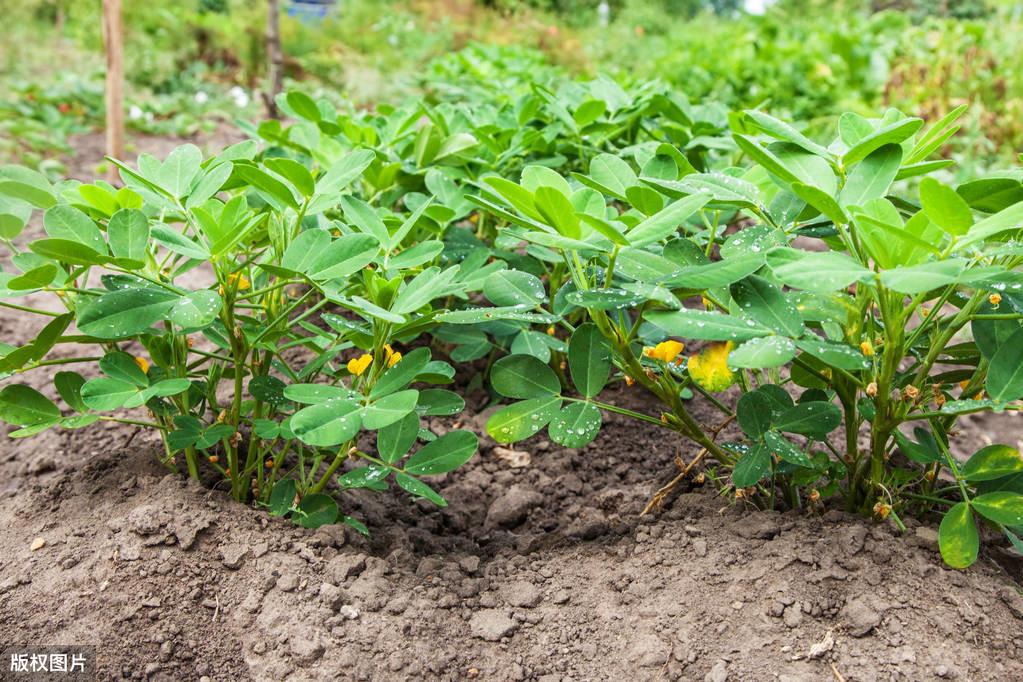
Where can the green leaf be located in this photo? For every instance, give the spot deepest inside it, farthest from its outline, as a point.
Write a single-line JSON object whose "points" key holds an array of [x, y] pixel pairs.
{"points": [[69, 387], [315, 510], [357, 525], [477, 315], [36, 278], [532, 343], [765, 303], [196, 310], [445, 454], [389, 409], [924, 452], [178, 243], [835, 354], [766, 158], [783, 131], [665, 222], [718, 273], [512, 287], [128, 231], [14, 215], [340, 257], [371, 477], [394, 441], [67, 251], [24, 406], [724, 189], [576, 425], [282, 497], [294, 172], [119, 365], [104, 393], [958, 539], [365, 218], [557, 211], [1004, 507], [455, 144], [892, 133], [613, 174], [27, 185], [917, 279], [304, 394], [439, 402], [759, 353], [518, 197], [752, 466], [814, 418], [521, 420], [991, 462], [402, 373], [125, 312], [991, 195], [822, 201], [426, 286], [589, 359], [419, 489], [706, 326], [67, 222], [604, 299], [1005, 373], [822, 272], [179, 170], [1010, 218], [871, 179], [210, 183], [345, 171], [271, 188], [268, 389], [786, 450], [754, 413], [303, 105], [327, 424], [944, 207], [523, 376]]}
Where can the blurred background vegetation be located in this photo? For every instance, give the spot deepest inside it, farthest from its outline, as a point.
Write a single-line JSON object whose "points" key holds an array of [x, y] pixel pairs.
{"points": [[194, 65]]}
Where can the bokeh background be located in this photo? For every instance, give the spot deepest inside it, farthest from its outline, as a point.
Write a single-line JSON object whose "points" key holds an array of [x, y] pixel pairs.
{"points": [[194, 65]]}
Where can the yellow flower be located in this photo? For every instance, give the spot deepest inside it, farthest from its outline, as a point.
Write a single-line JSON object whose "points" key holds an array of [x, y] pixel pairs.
{"points": [[358, 365], [393, 357], [240, 281], [710, 369], [866, 348], [994, 299], [629, 381], [143, 364], [665, 351]]}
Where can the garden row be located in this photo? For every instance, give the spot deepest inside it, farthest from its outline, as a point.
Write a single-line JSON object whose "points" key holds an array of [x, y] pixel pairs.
{"points": [[573, 234]]}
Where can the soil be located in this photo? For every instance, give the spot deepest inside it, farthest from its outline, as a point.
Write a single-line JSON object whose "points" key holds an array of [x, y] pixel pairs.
{"points": [[541, 568]]}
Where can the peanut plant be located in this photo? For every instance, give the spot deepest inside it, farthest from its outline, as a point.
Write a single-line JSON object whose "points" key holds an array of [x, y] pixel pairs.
{"points": [[845, 299], [246, 375]]}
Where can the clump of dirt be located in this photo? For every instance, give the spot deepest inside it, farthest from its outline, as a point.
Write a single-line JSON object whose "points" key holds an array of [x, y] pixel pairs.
{"points": [[540, 569]]}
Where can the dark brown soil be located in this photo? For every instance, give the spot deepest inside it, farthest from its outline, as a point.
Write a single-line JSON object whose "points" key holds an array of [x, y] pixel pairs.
{"points": [[540, 569]]}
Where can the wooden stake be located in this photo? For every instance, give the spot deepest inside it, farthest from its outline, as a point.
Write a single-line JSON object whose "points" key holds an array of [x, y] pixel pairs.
{"points": [[113, 35], [275, 75]]}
